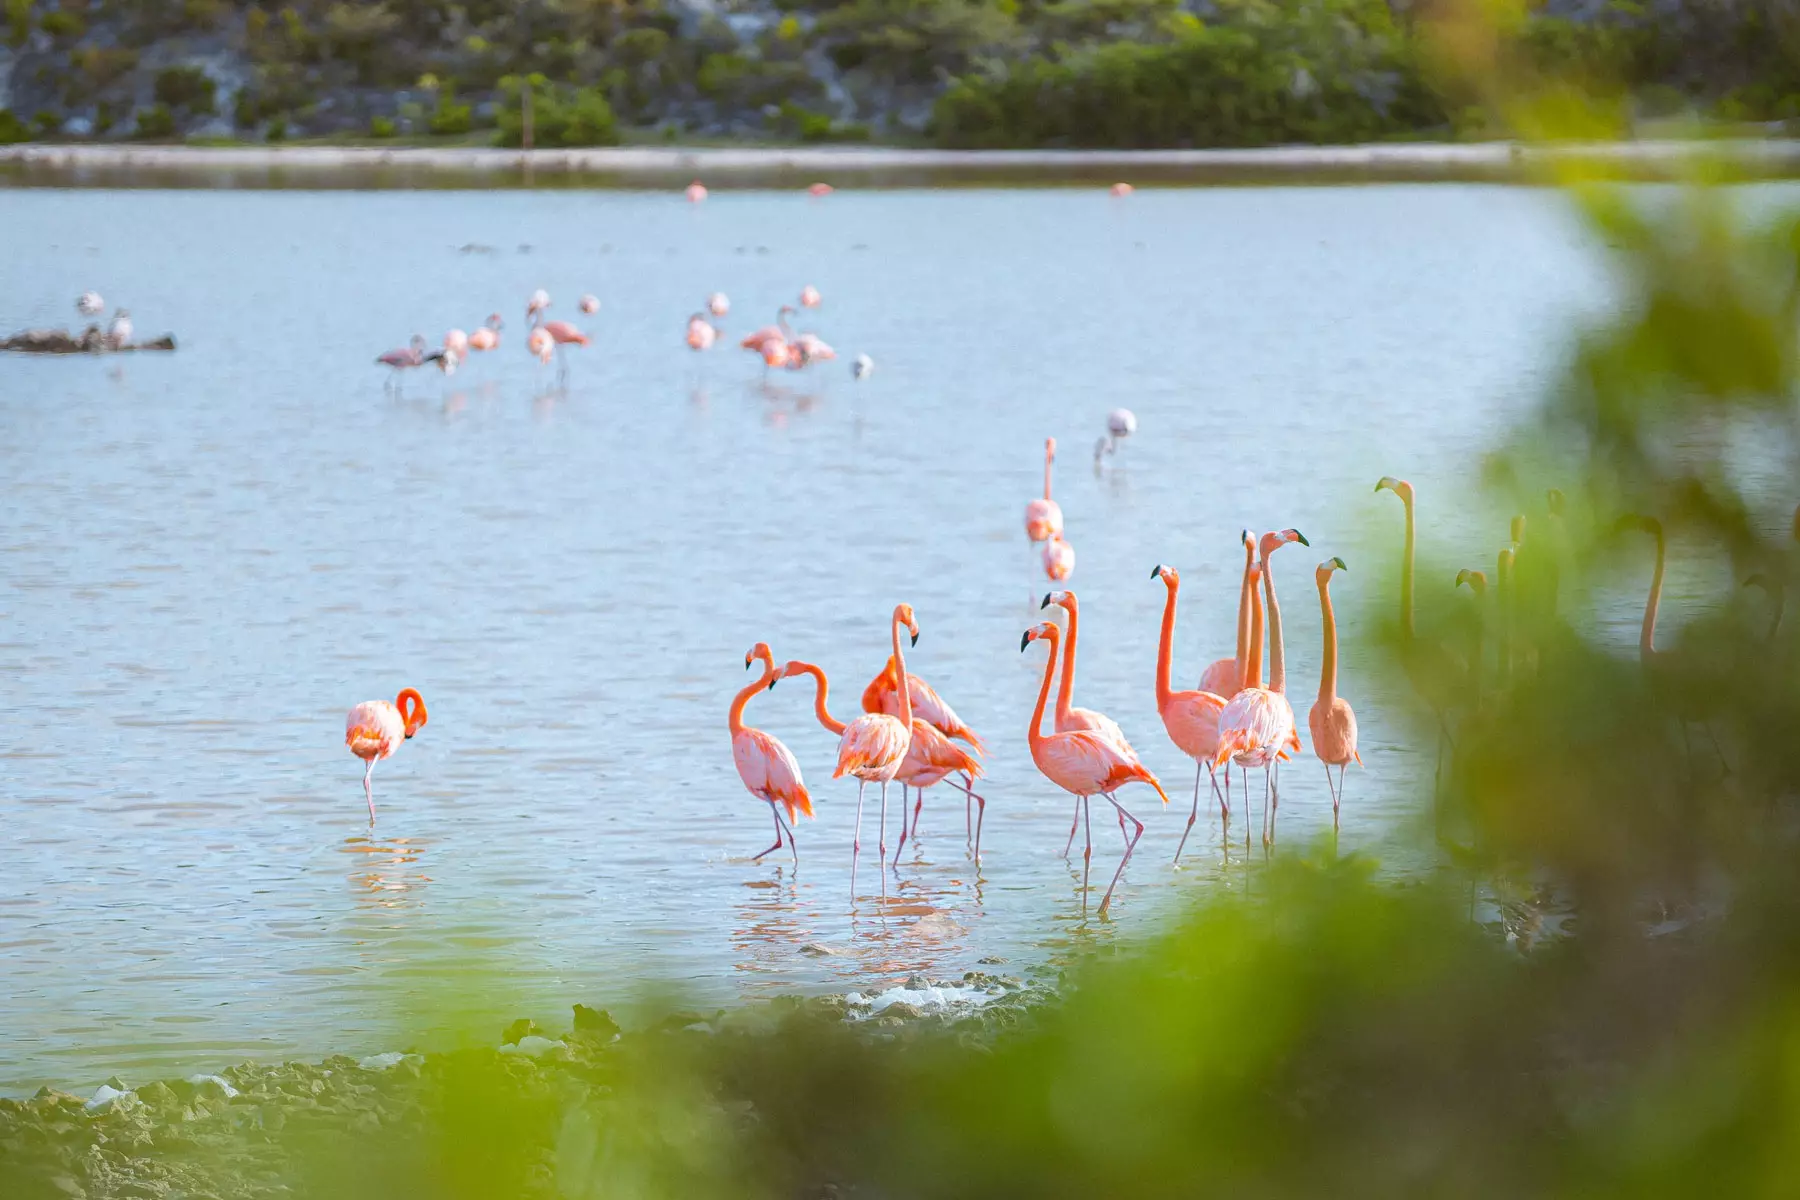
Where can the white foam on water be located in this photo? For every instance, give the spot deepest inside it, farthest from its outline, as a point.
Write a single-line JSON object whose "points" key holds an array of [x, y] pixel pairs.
{"points": [[382, 1062], [106, 1096], [531, 1046], [928, 997], [198, 1080]]}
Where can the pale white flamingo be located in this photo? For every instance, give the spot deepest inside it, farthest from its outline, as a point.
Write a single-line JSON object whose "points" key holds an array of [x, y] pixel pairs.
{"points": [[1043, 516], [89, 304], [700, 333], [1059, 559], [718, 304], [862, 367], [458, 341], [118, 334], [1121, 423], [590, 304], [375, 728], [541, 345], [539, 302], [809, 297]]}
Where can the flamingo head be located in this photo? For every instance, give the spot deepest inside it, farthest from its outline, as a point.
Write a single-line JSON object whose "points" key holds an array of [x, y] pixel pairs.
{"points": [[1046, 630], [1476, 580], [1270, 542], [412, 710], [1049, 448], [1168, 575], [718, 304], [903, 615], [1063, 600], [794, 666], [590, 304], [1121, 422], [1323, 574], [760, 651], [1399, 487]]}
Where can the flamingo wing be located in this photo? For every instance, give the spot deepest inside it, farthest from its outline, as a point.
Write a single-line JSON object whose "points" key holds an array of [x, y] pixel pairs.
{"points": [[1100, 723], [932, 752], [770, 771], [373, 729], [1192, 720], [1221, 678], [564, 332], [874, 742], [883, 696]]}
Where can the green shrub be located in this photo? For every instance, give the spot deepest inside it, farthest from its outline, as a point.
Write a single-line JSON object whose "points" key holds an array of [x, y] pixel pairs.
{"points": [[278, 130], [451, 119], [61, 23], [45, 124], [12, 129], [381, 127], [155, 122], [561, 116], [188, 89]]}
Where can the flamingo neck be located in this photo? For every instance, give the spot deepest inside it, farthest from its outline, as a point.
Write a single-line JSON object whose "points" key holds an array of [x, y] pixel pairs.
{"points": [[412, 710], [1165, 648], [1277, 663], [1647, 638], [1252, 677], [1048, 459], [743, 697], [906, 711], [820, 691], [1036, 734], [1328, 669], [1406, 576], [1066, 689], [1244, 591]]}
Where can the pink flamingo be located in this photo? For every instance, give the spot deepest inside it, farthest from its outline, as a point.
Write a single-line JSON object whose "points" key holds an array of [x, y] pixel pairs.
{"points": [[539, 303], [874, 744], [374, 730], [700, 333], [458, 342], [775, 354], [1121, 189], [718, 304], [541, 345], [563, 334], [814, 347], [1331, 722], [488, 336], [402, 360], [778, 332], [590, 304], [820, 189], [1257, 727], [1066, 717], [809, 297], [1059, 559], [883, 696], [696, 192], [1043, 516], [1084, 764], [765, 765], [1225, 676], [1191, 718]]}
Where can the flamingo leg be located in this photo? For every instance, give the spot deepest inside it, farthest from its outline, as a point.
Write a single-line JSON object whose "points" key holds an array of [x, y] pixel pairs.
{"points": [[777, 844], [792, 844], [1087, 851], [1332, 788], [980, 816], [856, 838], [1076, 821], [915, 830], [881, 841], [1267, 787], [368, 790], [1193, 814], [1117, 875]]}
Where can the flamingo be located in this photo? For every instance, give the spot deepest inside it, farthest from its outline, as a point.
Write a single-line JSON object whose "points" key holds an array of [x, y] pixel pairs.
{"points": [[1190, 718], [538, 303], [696, 192], [1043, 516], [488, 336], [374, 730], [874, 744], [1434, 674], [778, 332], [1267, 545], [718, 304], [883, 696], [402, 360], [89, 304], [1256, 729], [1477, 582], [820, 189], [445, 360], [776, 354], [541, 345], [457, 341], [1121, 189], [1059, 559], [1673, 676], [809, 297], [563, 334], [590, 304], [700, 333], [863, 367], [118, 334], [1225, 677], [765, 765], [1084, 764], [1121, 423], [1066, 717], [1332, 722], [813, 347]]}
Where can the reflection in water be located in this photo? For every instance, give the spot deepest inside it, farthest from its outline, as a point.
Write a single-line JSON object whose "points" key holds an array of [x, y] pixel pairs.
{"points": [[386, 873]]}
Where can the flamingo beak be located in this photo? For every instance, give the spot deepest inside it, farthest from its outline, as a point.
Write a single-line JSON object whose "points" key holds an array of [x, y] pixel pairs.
{"points": [[1156, 570], [1046, 603], [1024, 640], [1301, 538], [915, 637], [1339, 563]]}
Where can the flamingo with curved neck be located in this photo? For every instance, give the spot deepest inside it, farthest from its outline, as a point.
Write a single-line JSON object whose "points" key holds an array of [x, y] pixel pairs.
{"points": [[1331, 722], [1083, 763], [1043, 516], [874, 745], [1225, 676], [1190, 718], [1435, 676], [374, 729], [767, 767], [1067, 717]]}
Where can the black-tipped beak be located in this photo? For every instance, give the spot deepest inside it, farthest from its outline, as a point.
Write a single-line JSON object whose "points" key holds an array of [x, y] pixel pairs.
{"points": [[1341, 564], [409, 737], [915, 638], [1301, 538], [747, 664], [1024, 640], [1046, 603], [772, 683], [1156, 570]]}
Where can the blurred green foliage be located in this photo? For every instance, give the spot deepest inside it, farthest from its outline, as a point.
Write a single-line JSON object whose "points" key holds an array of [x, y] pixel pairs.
{"points": [[561, 116]]}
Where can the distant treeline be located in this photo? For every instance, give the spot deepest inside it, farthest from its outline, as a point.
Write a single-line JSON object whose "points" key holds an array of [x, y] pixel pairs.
{"points": [[958, 72]]}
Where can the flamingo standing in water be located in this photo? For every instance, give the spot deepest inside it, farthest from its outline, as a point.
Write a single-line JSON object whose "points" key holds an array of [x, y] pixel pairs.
{"points": [[457, 342], [563, 334], [1121, 423], [883, 696], [1067, 717], [1059, 559], [1673, 676], [718, 304], [1043, 516], [700, 333], [1267, 545], [541, 345], [809, 297], [778, 332], [1084, 764], [118, 334], [536, 305], [765, 765], [402, 360], [1190, 718], [1225, 676], [874, 745], [1332, 722], [488, 336], [374, 730], [1257, 725], [696, 192]]}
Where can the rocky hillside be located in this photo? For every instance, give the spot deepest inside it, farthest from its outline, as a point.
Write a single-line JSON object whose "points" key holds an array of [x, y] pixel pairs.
{"points": [[961, 72]]}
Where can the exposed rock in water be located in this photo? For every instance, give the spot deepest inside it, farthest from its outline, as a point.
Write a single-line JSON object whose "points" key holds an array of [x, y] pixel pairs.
{"points": [[91, 340]]}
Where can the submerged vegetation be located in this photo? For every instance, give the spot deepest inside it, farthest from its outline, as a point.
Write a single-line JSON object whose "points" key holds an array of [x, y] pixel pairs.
{"points": [[1097, 73]]}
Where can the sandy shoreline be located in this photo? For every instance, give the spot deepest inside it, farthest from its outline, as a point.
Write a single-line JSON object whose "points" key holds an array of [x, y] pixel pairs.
{"points": [[647, 166]]}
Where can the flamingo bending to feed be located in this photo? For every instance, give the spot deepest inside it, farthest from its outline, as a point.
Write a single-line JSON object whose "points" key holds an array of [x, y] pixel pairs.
{"points": [[1067, 717], [1332, 722], [538, 303], [874, 745], [1191, 718], [1043, 516], [1435, 676], [89, 304], [1121, 423], [700, 333], [1059, 559], [883, 696], [809, 297], [375, 728], [403, 360], [718, 304], [488, 336], [458, 342], [765, 765], [1083, 763], [1225, 676]]}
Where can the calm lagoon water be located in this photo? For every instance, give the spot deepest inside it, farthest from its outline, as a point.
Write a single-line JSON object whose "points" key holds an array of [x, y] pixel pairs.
{"points": [[209, 556]]}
